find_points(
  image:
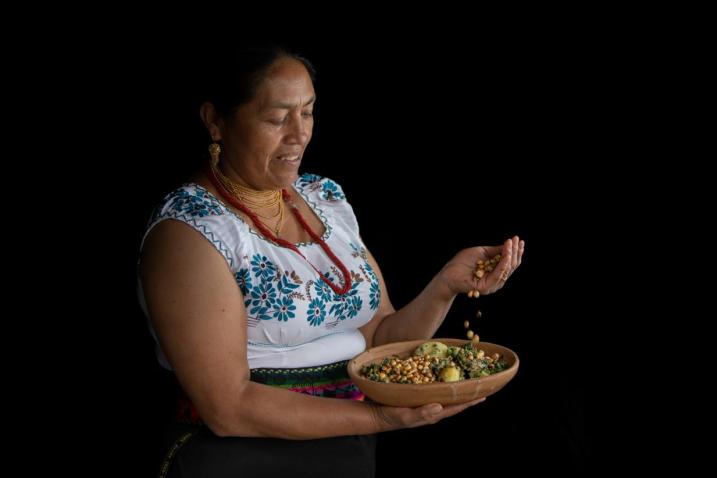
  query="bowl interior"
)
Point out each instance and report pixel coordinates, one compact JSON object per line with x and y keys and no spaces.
{"x":402,"y":394}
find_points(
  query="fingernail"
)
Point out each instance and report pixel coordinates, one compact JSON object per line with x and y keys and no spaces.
{"x":435,"y":409}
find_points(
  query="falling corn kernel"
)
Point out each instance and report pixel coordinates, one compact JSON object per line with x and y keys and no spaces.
{"x":479,"y":314}
{"x":470,"y":334}
{"x":466,"y":324}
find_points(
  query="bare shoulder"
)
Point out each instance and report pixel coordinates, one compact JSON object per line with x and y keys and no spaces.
{"x":173,"y":242}
{"x":181,"y":271}
{"x":183,"y":275}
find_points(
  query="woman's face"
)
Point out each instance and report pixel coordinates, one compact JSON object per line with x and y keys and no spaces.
{"x":265,"y":140}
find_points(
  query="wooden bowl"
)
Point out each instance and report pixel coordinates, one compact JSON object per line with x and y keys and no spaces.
{"x":445,"y":393}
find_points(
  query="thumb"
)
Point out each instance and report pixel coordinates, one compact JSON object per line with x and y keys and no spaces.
{"x":429,"y":411}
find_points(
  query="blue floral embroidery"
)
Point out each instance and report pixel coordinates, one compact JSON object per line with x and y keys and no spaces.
{"x":243,"y":278}
{"x":262,"y":267}
{"x":316,"y":312}
{"x":284,"y":309}
{"x":354,"y":306}
{"x":337,"y":309}
{"x":370,"y":271}
{"x":286,"y":287}
{"x":272,"y":297}
{"x":322,"y":289}
{"x":331,"y":191}
{"x":195,"y":204}
{"x":374,"y":295}
{"x":306,"y":179}
{"x":263,"y":297}
{"x":375,"y":290}
{"x":342,"y":303}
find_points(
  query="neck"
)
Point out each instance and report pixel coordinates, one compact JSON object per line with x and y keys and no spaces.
{"x":268,"y":202}
{"x":229,"y":172}
{"x":246,"y":193}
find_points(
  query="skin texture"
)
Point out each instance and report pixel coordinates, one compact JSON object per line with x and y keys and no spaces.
{"x":278,"y":121}
{"x":198,"y":310}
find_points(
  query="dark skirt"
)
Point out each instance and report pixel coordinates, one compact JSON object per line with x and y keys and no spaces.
{"x":192,"y":450}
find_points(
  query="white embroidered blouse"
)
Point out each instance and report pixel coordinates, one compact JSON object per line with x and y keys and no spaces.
{"x":294,"y":319}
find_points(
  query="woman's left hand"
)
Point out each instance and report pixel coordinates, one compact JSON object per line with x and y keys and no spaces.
{"x":458,"y":274}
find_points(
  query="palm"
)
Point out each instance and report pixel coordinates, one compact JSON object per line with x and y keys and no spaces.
{"x":459,"y":276}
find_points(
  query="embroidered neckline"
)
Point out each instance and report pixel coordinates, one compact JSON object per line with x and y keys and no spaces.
{"x":299,"y":189}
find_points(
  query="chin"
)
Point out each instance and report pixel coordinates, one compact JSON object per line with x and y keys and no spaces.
{"x":286,"y":180}
{"x":285,"y":172}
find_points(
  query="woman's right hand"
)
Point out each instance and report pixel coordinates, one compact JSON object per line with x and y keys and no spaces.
{"x":394,"y":418}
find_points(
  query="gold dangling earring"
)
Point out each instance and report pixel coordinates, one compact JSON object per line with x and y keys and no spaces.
{"x":214,"y":151}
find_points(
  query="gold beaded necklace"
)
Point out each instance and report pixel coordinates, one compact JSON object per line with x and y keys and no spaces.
{"x":254,"y":199}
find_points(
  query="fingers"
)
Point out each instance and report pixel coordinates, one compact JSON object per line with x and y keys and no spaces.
{"x":504,"y":266}
{"x":490,"y":251}
{"x":511,"y":256}
{"x":509,"y":261}
{"x":441,"y":412}
{"x":431,"y":412}
{"x":521,"y":249}
{"x":516,"y":253}
{"x":514,"y":259}
{"x":451,"y":410}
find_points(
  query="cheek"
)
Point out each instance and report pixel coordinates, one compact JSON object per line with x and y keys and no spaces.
{"x":309,"y":130}
{"x":265,"y":141}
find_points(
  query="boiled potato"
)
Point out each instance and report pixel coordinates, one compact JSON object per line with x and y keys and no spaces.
{"x":432,"y":349}
{"x":450,"y":374}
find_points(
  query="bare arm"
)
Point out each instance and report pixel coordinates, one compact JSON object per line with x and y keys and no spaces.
{"x":198,"y":312}
{"x":421,"y":317}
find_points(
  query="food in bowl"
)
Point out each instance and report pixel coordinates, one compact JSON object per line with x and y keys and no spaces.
{"x":434,"y":361}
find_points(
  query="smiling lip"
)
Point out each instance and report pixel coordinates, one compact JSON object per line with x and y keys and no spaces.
{"x":289,"y":158}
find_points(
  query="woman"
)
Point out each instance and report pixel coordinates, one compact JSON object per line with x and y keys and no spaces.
{"x":261,"y":287}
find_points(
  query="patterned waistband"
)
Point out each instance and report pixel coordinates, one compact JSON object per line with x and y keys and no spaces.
{"x":300,"y":376}
{"x":330,"y":380}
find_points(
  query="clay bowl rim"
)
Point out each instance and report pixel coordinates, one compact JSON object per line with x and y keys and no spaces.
{"x":356,"y":375}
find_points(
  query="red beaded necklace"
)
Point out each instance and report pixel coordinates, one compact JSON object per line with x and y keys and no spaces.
{"x":269,"y":235}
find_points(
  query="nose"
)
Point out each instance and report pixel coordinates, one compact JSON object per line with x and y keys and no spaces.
{"x":299,"y":131}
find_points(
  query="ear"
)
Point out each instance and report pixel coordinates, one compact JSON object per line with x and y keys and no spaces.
{"x":211,"y":120}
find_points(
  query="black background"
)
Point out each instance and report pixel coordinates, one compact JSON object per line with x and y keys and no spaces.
{"x":578,"y":130}
{"x":438,"y":145}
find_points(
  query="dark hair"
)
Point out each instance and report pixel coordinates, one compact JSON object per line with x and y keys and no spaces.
{"x":237,"y":79}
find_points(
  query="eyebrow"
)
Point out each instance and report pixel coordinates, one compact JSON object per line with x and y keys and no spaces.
{"x":288,"y":106}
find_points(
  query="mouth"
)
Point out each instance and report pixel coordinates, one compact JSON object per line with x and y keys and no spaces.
{"x":289,"y":158}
